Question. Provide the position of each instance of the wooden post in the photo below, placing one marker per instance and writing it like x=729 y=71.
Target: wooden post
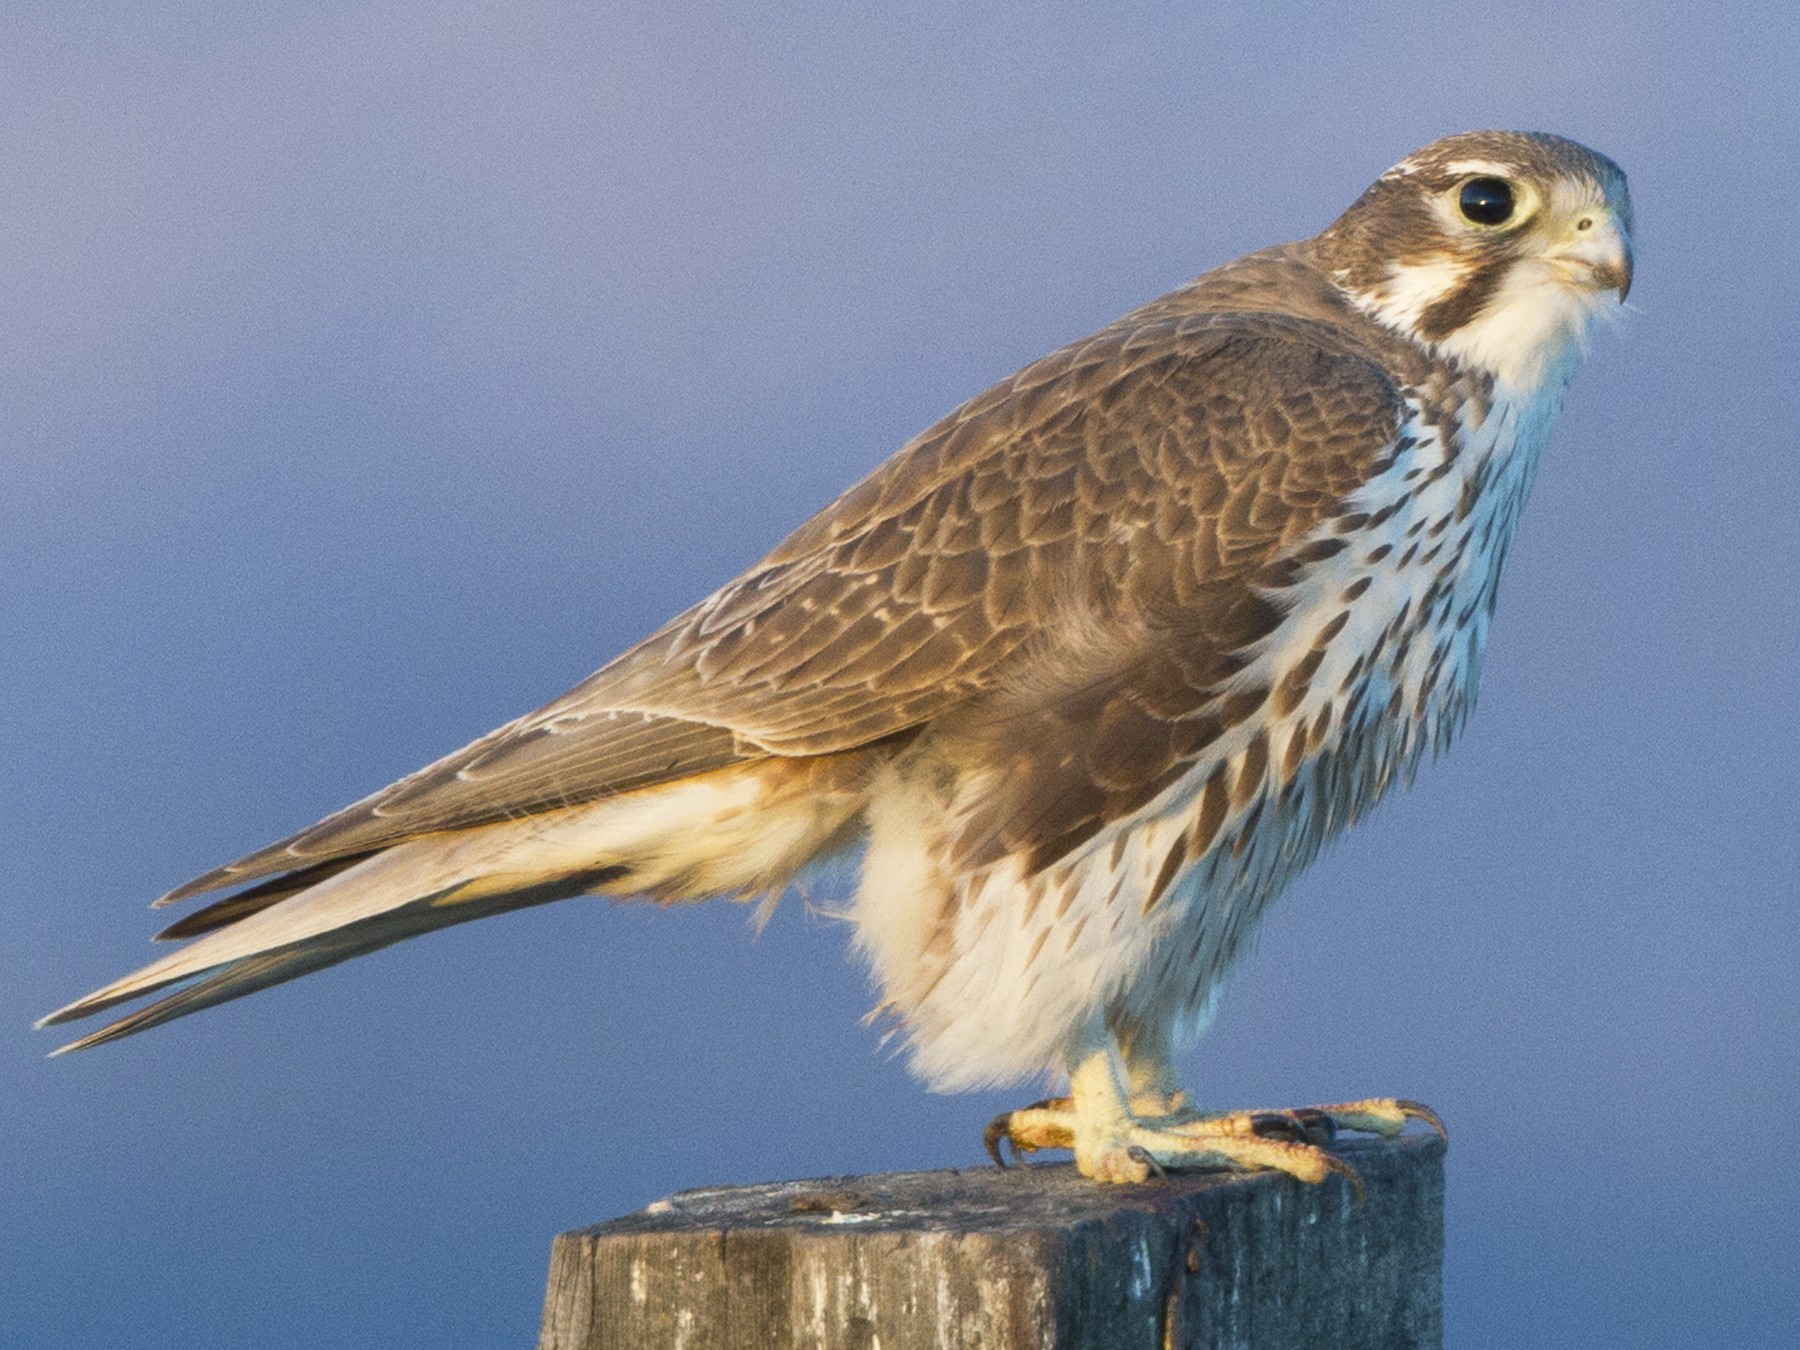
x=1028 y=1257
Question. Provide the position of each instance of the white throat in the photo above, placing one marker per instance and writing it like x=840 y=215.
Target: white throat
x=1531 y=333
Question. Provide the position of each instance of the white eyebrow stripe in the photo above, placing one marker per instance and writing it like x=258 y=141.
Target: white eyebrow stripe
x=1487 y=167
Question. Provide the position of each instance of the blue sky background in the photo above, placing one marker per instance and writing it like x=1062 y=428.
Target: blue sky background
x=369 y=373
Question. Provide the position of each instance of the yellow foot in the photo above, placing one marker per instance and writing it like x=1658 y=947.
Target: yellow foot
x=1125 y=1146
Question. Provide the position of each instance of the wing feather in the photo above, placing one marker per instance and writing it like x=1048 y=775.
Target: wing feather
x=1147 y=467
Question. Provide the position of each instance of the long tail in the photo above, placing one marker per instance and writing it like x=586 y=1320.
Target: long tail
x=739 y=832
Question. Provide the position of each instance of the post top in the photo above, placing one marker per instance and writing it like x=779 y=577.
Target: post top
x=982 y=1199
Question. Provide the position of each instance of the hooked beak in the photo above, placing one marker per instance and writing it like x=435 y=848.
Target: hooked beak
x=1600 y=256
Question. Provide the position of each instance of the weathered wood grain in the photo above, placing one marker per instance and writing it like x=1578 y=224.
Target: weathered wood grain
x=1031 y=1257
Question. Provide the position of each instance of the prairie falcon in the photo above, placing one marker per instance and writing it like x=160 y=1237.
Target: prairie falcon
x=1090 y=669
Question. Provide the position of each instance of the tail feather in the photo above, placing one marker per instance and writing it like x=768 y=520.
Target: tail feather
x=437 y=870
x=249 y=974
x=232 y=981
x=254 y=899
x=742 y=832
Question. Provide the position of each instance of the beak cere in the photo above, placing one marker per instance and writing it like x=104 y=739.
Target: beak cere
x=1603 y=257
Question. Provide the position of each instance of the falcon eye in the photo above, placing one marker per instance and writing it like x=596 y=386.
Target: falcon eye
x=1487 y=201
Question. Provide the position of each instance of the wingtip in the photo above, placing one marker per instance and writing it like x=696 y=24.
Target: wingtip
x=67 y=1013
x=57 y=1018
x=179 y=894
x=219 y=877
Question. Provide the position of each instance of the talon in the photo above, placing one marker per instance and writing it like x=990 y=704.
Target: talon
x=1419 y=1111
x=998 y=1131
x=1283 y=1125
x=1043 y=1124
x=1139 y=1154
x=1385 y=1116
x=1347 y=1172
x=999 y=1128
x=1320 y=1129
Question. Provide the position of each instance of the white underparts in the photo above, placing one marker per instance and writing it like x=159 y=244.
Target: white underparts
x=990 y=975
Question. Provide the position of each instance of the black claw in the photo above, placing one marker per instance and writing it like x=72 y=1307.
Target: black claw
x=998 y=1129
x=1419 y=1111
x=1321 y=1129
x=1139 y=1154
x=1283 y=1125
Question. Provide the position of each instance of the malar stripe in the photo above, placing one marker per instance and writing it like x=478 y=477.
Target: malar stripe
x=1464 y=303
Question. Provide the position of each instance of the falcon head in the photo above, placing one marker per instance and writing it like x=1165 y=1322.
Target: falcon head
x=1494 y=248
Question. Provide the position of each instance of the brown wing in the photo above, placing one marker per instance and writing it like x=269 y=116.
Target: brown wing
x=1238 y=459
x=1151 y=462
